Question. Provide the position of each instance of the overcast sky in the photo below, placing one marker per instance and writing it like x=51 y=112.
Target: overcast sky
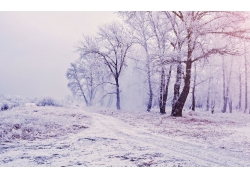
x=36 y=48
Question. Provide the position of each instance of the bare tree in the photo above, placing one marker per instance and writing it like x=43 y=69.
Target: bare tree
x=200 y=27
x=111 y=46
x=76 y=84
x=176 y=42
x=85 y=76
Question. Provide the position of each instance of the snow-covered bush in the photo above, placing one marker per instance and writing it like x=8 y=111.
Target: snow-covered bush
x=48 y=101
x=4 y=105
x=9 y=102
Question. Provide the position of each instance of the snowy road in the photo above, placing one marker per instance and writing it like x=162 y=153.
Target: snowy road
x=111 y=142
x=155 y=150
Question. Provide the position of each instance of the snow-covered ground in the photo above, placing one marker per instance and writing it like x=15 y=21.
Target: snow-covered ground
x=77 y=136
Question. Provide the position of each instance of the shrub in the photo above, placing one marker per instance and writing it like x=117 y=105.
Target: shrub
x=48 y=101
x=4 y=106
x=9 y=102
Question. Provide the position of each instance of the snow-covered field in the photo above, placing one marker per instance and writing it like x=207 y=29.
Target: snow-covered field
x=78 y=136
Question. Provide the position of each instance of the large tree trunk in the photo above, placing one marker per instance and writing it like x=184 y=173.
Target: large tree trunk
x=178 y=107
x=118 y=107
x=193 y=90
x=177 y=84
x=246 y=98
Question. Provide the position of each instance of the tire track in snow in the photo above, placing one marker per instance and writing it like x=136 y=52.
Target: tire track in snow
x=194 y=153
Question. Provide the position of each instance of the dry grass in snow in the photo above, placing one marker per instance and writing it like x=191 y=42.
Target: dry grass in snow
x=33 y=122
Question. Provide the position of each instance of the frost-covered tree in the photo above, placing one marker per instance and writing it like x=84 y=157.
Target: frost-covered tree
x=111 y=46
x=85 y=77
x=200 y=28
x=75 y=82
x=176 y=39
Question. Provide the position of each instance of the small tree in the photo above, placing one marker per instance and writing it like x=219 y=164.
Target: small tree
x=76 y=83
x=85 y=76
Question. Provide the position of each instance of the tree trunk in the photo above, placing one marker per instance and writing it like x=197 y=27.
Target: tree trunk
x=177 y=84
x=208 y=94
x=212 y=106
x=150 y=90
x=167 y=85
x=246 y=98
x=230 y=103
x=118 y=107
x=228 y=87
x=163 y=97
x=224 y=105
x=178 y=107
x=162 y=92
x=225 y=98
x=240 y=91
x=193 y=90
x=150 y=99
x=86 y=101
x=80 y=86
x=92 y=89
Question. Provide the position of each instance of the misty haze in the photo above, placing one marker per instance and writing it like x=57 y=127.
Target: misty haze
x=145 y=89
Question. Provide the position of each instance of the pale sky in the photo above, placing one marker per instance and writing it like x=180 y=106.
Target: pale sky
x=36 y=48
